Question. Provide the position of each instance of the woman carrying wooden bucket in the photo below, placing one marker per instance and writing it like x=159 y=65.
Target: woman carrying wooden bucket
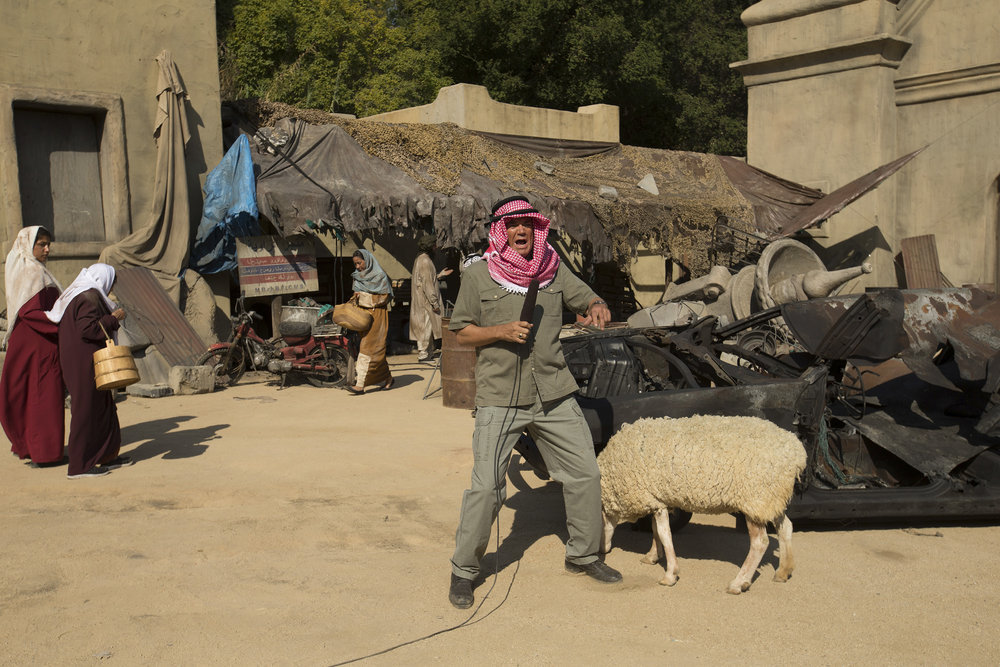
x=81 y=311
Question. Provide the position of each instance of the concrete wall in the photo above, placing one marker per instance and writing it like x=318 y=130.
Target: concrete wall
x=63 y=52
x=472 y=108
x=839 y=87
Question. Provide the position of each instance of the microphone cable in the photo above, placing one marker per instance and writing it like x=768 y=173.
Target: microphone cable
x=527 y=315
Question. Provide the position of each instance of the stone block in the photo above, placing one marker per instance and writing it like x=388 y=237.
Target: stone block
x=608 y=192
x=545 y=168
x=148 y=390
x=186 y=380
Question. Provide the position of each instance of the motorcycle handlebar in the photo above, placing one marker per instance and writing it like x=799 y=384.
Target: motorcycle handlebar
x=247 y=316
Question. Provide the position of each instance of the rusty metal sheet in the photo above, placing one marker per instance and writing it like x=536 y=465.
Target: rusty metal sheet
x=867 y=327
x=920 y=262
x=932 y=443
x=967 y=317
x=841 y=197
x=158 y=317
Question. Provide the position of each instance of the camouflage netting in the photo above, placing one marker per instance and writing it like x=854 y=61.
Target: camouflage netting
x=694 y=190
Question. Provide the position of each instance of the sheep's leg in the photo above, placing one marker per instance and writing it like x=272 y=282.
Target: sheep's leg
x=785 y=561
x=758 y=545
x=607 y=533
x=662 y=539
x=655 y=553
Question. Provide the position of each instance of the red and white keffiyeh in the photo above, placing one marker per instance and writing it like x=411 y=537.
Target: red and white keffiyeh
x=506 y=266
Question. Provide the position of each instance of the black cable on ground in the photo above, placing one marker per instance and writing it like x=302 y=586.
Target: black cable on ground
x=496 y=564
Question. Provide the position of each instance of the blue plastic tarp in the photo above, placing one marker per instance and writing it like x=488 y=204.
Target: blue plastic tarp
x=230 y=211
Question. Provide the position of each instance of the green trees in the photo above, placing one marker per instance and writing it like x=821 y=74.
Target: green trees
x=665 y=63
x=335 y=55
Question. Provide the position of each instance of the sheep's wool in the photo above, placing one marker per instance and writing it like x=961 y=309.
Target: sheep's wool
x=702 y=464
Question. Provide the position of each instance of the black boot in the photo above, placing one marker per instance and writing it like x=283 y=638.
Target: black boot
x=460 y=592
x=596 y=570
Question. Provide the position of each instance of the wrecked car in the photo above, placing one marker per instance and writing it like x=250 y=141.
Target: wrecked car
x=892 y=394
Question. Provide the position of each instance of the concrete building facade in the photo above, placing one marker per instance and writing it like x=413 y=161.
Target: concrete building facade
x=838 y=87
x=78 y=102
x=471 y=107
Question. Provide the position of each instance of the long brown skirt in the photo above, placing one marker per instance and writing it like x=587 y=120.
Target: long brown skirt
x=372 y=367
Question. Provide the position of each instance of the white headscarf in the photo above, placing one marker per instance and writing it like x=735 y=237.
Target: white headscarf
x=25 y=276
x=96 y=276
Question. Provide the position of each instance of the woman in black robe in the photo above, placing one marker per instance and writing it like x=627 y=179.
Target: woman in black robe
x=81 y=311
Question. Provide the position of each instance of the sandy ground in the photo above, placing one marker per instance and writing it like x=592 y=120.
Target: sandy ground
x=307 y=526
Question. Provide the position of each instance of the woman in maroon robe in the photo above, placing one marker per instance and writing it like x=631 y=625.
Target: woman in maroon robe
x=95 y=436
x=31 y=386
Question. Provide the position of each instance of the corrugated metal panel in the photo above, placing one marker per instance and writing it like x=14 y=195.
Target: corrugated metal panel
x=920 y=262
x=158 y=317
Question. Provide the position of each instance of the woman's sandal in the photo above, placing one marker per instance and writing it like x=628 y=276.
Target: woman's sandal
x=388 y=383
x=354 y=390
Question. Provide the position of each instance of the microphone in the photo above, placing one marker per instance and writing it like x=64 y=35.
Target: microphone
x=528 y=309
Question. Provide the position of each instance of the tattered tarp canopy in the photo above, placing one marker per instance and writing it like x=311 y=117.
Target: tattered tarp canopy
x=367 y=175
x=776 y=201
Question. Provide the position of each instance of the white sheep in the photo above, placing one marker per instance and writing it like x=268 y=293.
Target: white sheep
x=706 y=464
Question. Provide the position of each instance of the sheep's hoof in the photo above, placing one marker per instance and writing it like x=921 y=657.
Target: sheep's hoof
x=737 y=587
x=668 y=580
x=649 y=561
x=782 y=577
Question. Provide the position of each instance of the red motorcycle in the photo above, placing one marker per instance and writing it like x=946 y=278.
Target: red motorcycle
x=323 y=360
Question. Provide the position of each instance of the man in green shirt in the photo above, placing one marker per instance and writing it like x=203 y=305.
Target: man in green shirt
x=523 y=383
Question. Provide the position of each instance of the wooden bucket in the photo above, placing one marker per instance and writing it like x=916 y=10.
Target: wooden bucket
x=114 y=367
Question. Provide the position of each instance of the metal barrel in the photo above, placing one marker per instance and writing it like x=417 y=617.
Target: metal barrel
x=458 y=370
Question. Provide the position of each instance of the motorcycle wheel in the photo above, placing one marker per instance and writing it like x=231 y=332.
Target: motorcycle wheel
x=230 y=374
x=340 y=365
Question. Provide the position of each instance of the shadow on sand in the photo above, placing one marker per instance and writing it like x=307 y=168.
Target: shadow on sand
x=163 y=438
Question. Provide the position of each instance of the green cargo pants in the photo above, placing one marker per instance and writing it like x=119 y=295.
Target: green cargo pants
x=565 y=443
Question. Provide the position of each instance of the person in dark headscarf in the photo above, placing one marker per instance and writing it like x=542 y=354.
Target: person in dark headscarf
x=523 y=384
x=373 y=292
x=86 y=318
x=31 y=386
x=425 y=299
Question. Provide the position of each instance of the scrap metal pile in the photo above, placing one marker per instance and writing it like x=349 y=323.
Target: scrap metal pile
x=894 y=393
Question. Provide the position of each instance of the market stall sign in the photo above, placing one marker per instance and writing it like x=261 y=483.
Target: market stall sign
x=271 y=265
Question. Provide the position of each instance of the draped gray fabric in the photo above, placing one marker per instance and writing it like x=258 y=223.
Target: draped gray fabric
x=163 y=243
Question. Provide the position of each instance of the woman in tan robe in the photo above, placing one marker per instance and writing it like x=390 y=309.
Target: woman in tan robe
x=425 y=300
x=373 y=292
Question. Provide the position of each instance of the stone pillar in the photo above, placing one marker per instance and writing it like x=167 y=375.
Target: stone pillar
x=820 y=77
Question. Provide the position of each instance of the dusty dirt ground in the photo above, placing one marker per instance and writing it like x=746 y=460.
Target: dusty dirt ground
x=308 y=526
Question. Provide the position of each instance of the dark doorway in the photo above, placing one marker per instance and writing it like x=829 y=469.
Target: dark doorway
x=59 y=172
